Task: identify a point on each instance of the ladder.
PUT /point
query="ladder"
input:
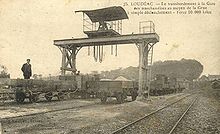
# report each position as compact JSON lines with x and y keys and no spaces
{"x":149,"y":65}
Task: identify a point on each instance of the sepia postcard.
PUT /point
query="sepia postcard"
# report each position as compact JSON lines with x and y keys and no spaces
{"x":109,"y":66}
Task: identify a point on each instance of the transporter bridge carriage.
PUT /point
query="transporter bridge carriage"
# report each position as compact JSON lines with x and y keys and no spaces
{"x":103,"y":27}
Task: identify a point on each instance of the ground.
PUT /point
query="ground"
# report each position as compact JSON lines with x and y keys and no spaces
{"x":90,"y":116}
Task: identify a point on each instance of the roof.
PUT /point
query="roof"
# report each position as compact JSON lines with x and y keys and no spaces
{"x":216,"y":80}
{"x":106,"y":14}
{"x":121,"y":78}
{"x":182,"y":80}
{"x":203,"y":78}
{"x":105,"y":79}
{"x":212,"y":77}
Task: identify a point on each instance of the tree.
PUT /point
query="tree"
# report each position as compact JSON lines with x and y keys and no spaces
{"x":4,"y":72}
{"x":185,"y":68}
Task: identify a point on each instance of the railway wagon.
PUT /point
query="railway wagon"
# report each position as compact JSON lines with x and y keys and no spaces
{"x":32,"y":89}
{"x":5,"y":93}
{"x":118,"y":89}
{"x":162,"y":85}
{"x":79,"y":85}
{"x":67,"y":86}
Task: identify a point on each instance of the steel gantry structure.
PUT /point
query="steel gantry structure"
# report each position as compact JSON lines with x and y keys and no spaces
{"x":106,"y":35}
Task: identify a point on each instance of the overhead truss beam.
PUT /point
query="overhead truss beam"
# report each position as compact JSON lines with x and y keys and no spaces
{"x":113,"y":40}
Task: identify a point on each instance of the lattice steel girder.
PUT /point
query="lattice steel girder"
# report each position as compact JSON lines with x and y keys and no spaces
{"x":120,"y":39}
{"x":69,"y":59}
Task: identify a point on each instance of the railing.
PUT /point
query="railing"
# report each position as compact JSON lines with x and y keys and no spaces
{"x":146,"y":27}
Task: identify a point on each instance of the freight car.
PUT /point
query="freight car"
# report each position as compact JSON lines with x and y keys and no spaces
{"x":5,"y":92}
{"x":68,"y":86}
{"x":85,"y":86}
{"x":32,"y":89}
{"x":162,"y":85}
{"x":73,"y":86}
{"x":112,"y":88}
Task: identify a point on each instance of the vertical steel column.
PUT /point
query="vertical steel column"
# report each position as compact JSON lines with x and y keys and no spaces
{"x":146,"y":53}
{"x":63,"y":66}
{"x":149,"y":65}
{"x":141,"y":64}
{"x":143,"y":55}
{"x":73,"y":59}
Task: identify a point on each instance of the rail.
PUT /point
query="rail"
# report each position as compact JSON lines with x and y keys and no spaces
{"x":179,"y":120}
{"x":44,"y":112}
{"x":148,"y":115}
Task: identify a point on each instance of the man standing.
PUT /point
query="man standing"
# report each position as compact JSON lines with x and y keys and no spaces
{"x":26,"y":69}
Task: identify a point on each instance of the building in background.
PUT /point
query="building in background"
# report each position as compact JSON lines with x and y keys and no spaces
{"x":213,"y":77}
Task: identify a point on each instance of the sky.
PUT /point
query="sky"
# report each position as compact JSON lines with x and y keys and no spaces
{"x":28,"y":28}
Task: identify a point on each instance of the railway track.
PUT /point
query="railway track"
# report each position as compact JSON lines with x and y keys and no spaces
{"x":179,"y":120}
{"x":77,"y":107}
{"x":49,"y":111}
{"x":123,"y":128}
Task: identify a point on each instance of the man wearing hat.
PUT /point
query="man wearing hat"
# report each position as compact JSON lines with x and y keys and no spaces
{"x":26,"y":69}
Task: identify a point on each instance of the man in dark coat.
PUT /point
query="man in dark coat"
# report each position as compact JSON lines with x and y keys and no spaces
{"x":26,"y":69}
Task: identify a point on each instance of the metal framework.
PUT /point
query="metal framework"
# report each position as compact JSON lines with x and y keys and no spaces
{"x":144,"y":42}
{"x":97,"y":39}
{"x":69,"y":59}
{"x":145,"y":60}
{"x":103,"y":22}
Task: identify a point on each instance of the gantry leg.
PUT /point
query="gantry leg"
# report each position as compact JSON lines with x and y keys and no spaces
{"x":142,"y":68}
{"x":143,"y":49}
{"x":63,"y":66}
{"x":69,"y":59}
